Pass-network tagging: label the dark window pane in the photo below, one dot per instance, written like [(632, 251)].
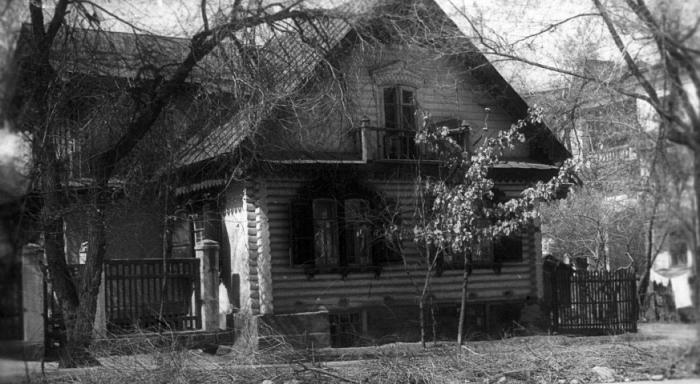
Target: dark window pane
[(357, 231), (408, 117), (508, 248), (390, 116), (390, 95), (356, 209), (325, 231), (406, 97), (302, 233), (391, 108)]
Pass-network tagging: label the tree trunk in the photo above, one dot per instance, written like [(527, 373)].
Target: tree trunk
[(696, 262), (433, 319), (80, 321), (644, 282), (424, 294), (421, 320), (463, 304)]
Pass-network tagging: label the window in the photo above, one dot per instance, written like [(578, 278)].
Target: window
[(487, 253), (482, 253), (328, 232), (325, 216), (400, 122), (503, 249), (357, 231), (188, 227), (508, 248), (399, 108)]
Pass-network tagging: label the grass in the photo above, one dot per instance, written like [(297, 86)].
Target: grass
[(536, 359)]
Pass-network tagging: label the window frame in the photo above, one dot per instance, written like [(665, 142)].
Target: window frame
[(399, 134), (329, 225), (358, 225), (517, 238), (344, 262)]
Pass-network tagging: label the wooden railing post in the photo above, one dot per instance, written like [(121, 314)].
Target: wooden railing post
[(364, 145), (33, 296), (207, 251)]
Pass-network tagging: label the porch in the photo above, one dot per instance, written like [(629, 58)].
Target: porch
[(138, 298)]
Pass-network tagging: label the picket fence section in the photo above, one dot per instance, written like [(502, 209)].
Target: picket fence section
[(594, 302), (152, 294)]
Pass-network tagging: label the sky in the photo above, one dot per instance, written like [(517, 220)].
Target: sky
[(502, 20)]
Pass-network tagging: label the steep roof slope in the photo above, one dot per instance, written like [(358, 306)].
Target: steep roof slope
[(289, 57), (297, 55)]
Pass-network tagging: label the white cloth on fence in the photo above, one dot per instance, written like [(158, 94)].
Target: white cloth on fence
[(225, 307), (681, 291)]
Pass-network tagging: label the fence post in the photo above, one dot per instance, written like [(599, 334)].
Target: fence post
[(207, 251), (33, 296), (555, 300), (100, 327)]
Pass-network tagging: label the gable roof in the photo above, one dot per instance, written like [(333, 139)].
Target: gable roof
[(291, 58), (298, 55)]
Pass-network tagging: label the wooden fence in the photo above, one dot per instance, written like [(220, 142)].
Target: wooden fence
[(11, 301), (152, 294), (594, 302)]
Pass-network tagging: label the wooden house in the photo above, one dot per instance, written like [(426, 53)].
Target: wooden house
[(304, 259), (287, 188)]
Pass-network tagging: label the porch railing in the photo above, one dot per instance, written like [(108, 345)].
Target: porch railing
[(400, 144)]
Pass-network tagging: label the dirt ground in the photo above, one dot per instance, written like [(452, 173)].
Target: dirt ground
[(657, 351)]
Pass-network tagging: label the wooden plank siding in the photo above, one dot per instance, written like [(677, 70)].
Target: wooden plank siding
[(446, 90), (293, 291), (241, 232)]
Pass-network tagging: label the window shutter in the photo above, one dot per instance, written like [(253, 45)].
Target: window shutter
[(301, 233)]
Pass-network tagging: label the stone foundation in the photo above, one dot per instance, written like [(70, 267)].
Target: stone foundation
[(374, 325)]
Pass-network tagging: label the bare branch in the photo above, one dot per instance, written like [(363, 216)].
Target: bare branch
[(631, 64), (202, 44), (203, 7), (57, 20), (554, 26)]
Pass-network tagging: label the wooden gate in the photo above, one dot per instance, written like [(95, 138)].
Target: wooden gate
[(152, 294), (594, 302)]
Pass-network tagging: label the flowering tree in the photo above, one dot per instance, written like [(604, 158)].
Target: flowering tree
[(464, 213)]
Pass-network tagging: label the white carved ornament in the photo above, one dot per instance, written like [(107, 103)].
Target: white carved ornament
[(396, 73)]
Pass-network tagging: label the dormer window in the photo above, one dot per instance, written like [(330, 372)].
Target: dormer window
[(400, 122)]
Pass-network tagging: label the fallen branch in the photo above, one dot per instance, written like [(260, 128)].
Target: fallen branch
[(326, 373), (472, 351)]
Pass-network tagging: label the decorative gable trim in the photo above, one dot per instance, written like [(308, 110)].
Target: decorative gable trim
[(396, 73)]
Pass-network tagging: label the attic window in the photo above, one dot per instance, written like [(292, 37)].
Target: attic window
[(399, 105)]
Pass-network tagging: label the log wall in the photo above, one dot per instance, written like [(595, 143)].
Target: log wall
[(293, 291)]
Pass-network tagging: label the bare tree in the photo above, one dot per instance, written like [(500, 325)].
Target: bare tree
[(667, 34), (137, 93)]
